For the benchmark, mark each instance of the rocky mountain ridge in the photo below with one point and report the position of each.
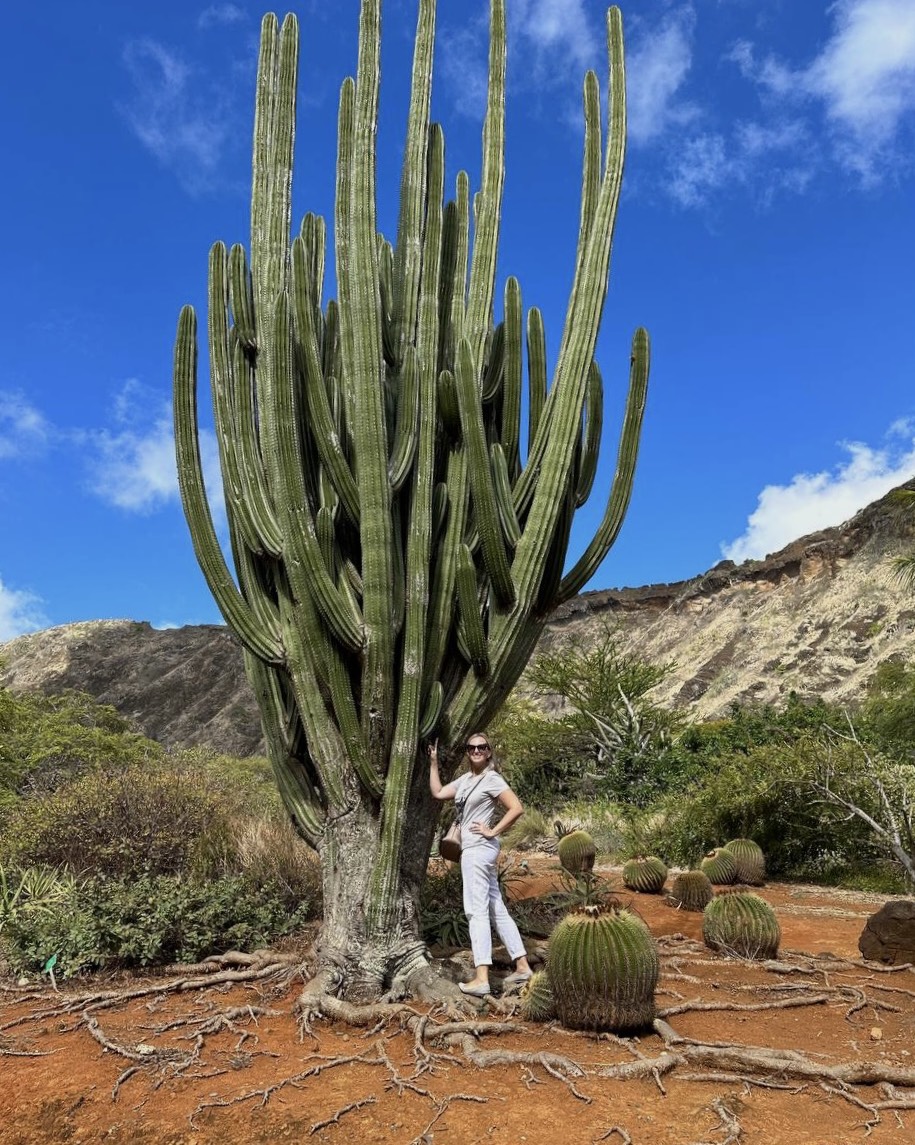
(817, 618)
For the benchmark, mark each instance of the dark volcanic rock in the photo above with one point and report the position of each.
(180, 686)
(889, 935)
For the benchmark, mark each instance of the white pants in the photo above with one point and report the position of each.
(483, 900)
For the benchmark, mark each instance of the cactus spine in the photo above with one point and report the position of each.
(741, 923)
(691, 890)
(720, 866)
(603, 969)
(395, 559)
(646, 874)
(750, 861)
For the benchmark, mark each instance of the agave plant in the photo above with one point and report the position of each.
(35, 890)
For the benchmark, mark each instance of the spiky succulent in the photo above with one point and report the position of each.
(750, 861)
(741, 923)
(577, 852)
(691, 890)
(603, 969)
(537, 999)
(720, 866)
(646, 874)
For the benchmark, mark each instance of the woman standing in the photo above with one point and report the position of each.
(478, 795)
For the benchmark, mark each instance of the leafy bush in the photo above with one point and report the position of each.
(442, 917)
(45, 740)
(34, 891)
(122, 824)
(526, 831)
(150, 920)
(545, 761)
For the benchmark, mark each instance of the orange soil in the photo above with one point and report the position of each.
(66, 1094)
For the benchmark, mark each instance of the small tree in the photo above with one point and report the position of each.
(607, 687)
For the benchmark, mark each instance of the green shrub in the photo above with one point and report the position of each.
(442, 917)
(545, 761)
(150, 920)
(122, 823)
(526, 831)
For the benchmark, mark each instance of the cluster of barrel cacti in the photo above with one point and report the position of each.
(740, 861)
(741, 923)
(646, 874)
(691, 890)
(602, 970)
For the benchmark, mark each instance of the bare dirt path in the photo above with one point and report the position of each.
(252, 1080)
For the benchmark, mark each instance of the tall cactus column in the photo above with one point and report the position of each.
(395, 557)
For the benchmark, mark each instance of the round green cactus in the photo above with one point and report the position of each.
(750, 860)
(577, 852)
(645, 874)
(720, 866)
(603, 970)
(741, 923)
(537, 999)
(691, 890)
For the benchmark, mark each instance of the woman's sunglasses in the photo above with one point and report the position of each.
(476, 748)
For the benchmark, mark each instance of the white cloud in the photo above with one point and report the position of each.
(132, 466)
(863, 80)
(184, 122)
(220, 14)
(812, 501)
(24, 431)
(550, 42)
(20, 612)
(656, 69)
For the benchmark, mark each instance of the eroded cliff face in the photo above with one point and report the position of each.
(816, 618)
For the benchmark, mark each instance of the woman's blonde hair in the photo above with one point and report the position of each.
(494, 762)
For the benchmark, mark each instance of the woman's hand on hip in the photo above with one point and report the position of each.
(481, 828)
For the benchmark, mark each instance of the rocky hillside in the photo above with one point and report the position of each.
(816, 618)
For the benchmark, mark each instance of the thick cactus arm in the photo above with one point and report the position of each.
(471, 634)
(307, 572)
(494, 371)
(503, 490)
(492, 541)
(365, 374)
(594, 421)
(242, 300)
(263, 643)
(512, 384)
(621, 489)
(591, 172)
(488, 204)
(408, 255)
(324, 430)
(407, 428)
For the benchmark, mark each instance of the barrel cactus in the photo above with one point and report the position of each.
(691, 890)
(720, 866)
(750, 860)
(537, 999)
(741, 923)
(603, 970)
(646, 874)
(577, 852)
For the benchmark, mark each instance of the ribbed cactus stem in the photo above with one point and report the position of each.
(743, 924)
(691, 890)
(537, 999)
(577, 852)
(646, 874)
(750, 861)
(603, 969)
(720, 867)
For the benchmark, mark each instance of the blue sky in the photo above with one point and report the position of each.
(766, 239)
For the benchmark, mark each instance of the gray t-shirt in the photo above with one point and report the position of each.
(475, 801)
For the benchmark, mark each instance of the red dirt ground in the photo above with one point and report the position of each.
(244, 1091)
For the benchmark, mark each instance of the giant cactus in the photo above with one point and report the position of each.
(395, 556)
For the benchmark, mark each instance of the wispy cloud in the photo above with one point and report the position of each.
(549, 43)
(812, 501)
(24, 430)
(20, 612)
(656, 70)
(863, 80)
(132, 465)
(220, 14)
(177, 113)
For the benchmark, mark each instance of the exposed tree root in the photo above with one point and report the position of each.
(624, 1136)
(785, 1004)
(728, 1124)
(335, 1119)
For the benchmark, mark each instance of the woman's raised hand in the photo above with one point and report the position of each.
(432, 750)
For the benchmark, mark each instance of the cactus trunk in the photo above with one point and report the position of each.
(395, 556)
